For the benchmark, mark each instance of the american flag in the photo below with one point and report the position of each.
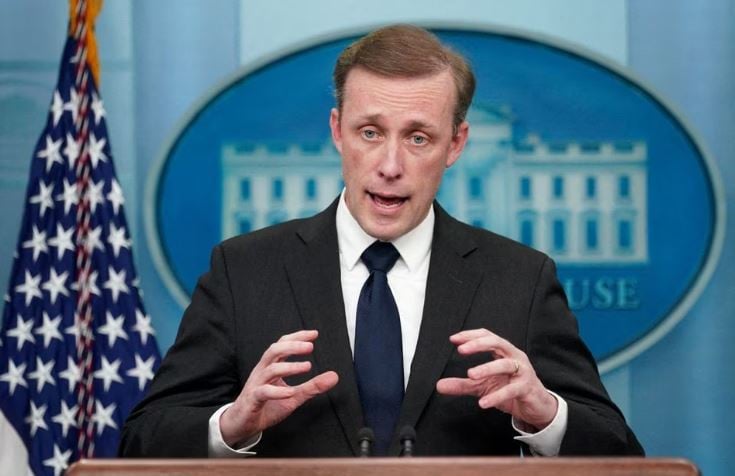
(77, 349)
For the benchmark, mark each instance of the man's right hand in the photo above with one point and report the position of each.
(265, 398)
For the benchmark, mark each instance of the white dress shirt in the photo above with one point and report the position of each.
(407, 280)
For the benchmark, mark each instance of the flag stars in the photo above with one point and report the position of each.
(115, 196)
(70, 196)
(67, 417)
(22, 331)
(15, 376)
(72, 374)
(87, 285)
(49, 329)
(117, 239)
(98, 108)
(71, 151)
(73, 105)
(62, 240)
(143, 370)
(143, 326)
(56, 284)
(57, 107)
(116, 283)
(108, 373)
(103, 416)
(51, 153)
(37, 242)
(73, 330)
(44, 197)
(94, 194)
(42, 374)
(36, 418)
(30, 287)
(113, 328)
(92, 241)
(95, 149)
(59, 461)
(136, 284)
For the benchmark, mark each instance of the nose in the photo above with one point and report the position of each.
(391, 161)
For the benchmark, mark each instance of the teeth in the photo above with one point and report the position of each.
(388, 202)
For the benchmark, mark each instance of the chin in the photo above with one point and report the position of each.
(384, 232)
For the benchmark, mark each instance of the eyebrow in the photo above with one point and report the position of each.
(372, 118)
(413, 125)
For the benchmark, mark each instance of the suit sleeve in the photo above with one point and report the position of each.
(595, 426)
(196, 377)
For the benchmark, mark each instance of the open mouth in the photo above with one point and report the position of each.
(387, 201)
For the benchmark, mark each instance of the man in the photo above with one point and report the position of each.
(382, 310)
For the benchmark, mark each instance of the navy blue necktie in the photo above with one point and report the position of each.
(378, 350)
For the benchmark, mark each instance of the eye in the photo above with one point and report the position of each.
(418, 139)
(369, 134)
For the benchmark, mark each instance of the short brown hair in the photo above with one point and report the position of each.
(406, 51)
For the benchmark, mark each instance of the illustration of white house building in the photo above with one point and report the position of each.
(583, 203)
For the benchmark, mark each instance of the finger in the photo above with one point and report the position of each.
(464, 336)
(315, 386)
(303, 335)
(277, 352)
(278, 370)
(479, 340)
(509, 367)
(296, 343)
(281, 350)
(458, 386)
(489, 343)
(264, 393)
(502, 395)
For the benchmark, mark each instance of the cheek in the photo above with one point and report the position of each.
(431, 169)
(429, 180)
(355, 161)
(352, 168)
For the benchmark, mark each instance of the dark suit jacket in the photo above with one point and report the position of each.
(287, 277)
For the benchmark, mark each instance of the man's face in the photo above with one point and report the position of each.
(396, 139)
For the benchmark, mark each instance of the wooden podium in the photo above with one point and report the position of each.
(387, 467)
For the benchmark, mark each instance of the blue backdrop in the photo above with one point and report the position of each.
(159, 59)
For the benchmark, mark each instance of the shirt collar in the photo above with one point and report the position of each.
(413, 247)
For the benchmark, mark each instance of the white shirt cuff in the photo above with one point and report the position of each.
(547, 441)
(217, 446)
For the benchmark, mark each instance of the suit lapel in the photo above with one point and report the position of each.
(451, 284)
(314, 275)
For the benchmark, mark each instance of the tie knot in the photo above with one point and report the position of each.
(380, 256)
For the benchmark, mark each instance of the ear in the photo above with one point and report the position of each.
(335, 127)
(456, 146)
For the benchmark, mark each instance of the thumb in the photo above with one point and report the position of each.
(320, 384)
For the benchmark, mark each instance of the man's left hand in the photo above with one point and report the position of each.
(507, 383)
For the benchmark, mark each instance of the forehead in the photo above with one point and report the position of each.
(369, 93)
